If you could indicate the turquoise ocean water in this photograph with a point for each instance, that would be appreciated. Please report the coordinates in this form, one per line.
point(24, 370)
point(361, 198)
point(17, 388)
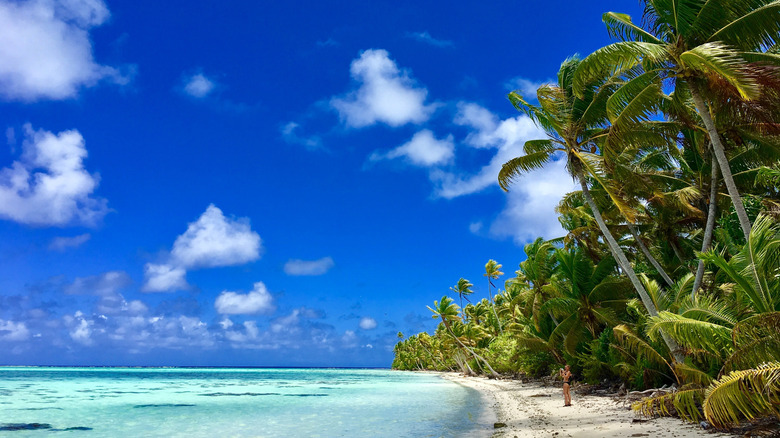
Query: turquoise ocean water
point(235, 402)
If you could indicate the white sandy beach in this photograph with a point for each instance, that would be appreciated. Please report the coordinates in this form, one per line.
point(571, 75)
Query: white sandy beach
point(533, 410)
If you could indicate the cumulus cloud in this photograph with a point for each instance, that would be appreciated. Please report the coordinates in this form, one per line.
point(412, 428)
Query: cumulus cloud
point(259, 300)
point(530, 207)
point(49, 184)
point(214, 240)
point(64, 243)
point(164, 278)
point(46, 51)
point(424, 150)
point(506, 137)
point(198, 85)
point(531, 202)
point(11, 331)
point(384, 94)
point(79, 328)
point(308, 267)
point(425, 37)
point(367, 323)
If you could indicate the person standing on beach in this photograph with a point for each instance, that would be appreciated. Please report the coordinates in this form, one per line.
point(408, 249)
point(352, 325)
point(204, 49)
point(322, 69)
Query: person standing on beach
point(565, 374)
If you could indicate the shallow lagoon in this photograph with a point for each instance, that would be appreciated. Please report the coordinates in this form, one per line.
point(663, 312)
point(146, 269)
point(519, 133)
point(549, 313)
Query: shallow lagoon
point(235, 402)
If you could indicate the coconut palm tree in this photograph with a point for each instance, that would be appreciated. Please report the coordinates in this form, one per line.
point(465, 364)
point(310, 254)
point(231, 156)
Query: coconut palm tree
point(463, 289)
point(492, 272)
point(447, 311)
point(590, 298)
point(537, 269)
point(691, 43)
point(575, 128)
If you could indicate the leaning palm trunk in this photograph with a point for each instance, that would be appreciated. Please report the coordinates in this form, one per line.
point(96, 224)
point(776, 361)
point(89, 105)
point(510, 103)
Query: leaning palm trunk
point(649, 256)
point(493, 306)
point(472, 352)
point(707, 240)
point(625, 265)
point(723, 162)
point(464, 366)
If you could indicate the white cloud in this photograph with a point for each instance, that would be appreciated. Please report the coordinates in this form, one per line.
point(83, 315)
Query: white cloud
point(214, 240)
point(80, 329)
point(49, 184)
point(530, 209)
point(424, 150)
point(63, 243)
point(105, 284)
point(259, 300)
point(198, 85)
point(426, 37)
point(507, 137)
point(211, 241)
point(308, 267)
point(164, 278)
point(367, 323)
point(11, 331)
point(385, 94)
point(531, 202)
point(45, 48)
point(290, 135)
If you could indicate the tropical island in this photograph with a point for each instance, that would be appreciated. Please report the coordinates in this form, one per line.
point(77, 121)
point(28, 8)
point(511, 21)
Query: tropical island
point(669, 274)
point(232, 218)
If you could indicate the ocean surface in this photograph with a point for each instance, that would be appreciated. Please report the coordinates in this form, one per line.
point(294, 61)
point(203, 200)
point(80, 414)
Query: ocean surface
point(235, 402)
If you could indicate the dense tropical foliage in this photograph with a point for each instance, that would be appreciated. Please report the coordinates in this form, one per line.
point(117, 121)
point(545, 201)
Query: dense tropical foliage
point(669, 273)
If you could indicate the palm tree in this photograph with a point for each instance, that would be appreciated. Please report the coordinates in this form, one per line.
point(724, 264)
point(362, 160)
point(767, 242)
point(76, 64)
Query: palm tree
point(537, 269)
point(448, 312)
point(463, 289)
point(492, 272)
point(692, 43)
point(574, 126)
point(591, 297)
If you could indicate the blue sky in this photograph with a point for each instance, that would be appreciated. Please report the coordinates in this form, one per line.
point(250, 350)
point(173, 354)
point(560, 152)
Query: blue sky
point(258, 183)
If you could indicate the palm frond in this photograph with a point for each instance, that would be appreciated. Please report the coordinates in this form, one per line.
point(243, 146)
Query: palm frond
point(514, 168)
point(716, 59)
point(638, 346)
point(745, 394)
point(691, 333)
point(689, 374)
point(684, 403)
point(758, 28)
point(620, 26)
point(614, 59)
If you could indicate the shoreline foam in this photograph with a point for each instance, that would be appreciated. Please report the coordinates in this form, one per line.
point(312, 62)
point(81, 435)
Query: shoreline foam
point(532, 410)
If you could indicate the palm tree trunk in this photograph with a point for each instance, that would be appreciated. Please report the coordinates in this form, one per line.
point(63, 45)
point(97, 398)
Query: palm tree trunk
point(649, 256)
point(707, 239)
point(473, 353)
point(723, 162)
point(493, 305)
point(626, 266)
point(677, 252)
point(433, 359)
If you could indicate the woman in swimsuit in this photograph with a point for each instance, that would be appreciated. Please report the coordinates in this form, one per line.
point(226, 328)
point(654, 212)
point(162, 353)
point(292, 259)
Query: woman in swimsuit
point(565, 374)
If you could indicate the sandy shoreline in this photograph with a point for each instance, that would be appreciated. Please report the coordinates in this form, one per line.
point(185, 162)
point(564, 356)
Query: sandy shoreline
point(532, 410)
